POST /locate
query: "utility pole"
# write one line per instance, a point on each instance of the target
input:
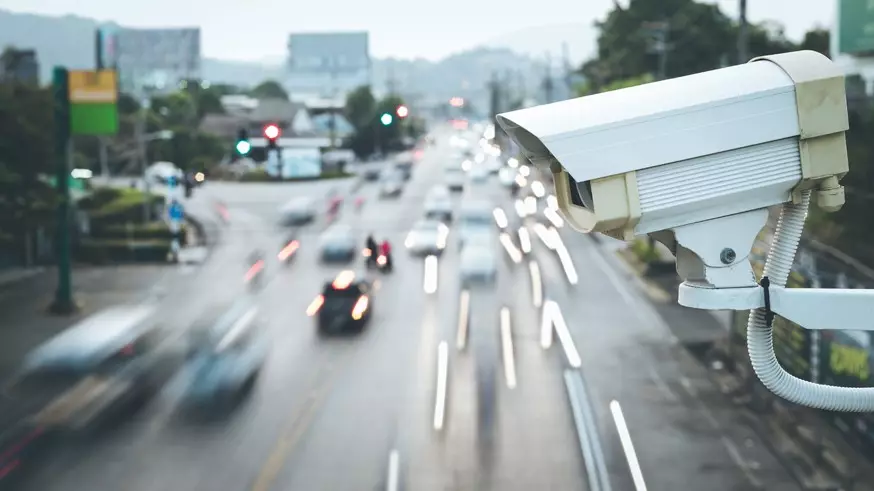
(140, 132)
(332, 124)
(743, 48)
(660, 45)
(103, 154)
(63, 303)
(495, 103)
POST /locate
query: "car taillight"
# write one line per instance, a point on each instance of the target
(254, 270)
(288, 250)
(315, 305)
(360, 307)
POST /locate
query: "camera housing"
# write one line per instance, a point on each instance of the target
(686, 150)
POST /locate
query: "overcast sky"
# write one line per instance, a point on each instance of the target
(258, 29)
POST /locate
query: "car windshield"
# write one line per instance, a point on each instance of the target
(477, 218)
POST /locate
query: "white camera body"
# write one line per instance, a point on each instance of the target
(691, 149)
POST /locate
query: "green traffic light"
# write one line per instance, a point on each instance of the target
(385, 119)
(243, 147)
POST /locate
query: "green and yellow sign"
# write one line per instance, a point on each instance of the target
(93, 97)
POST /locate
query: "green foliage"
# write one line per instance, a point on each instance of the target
(269, 89)
(157, 230)
(261, 175)
(103, 251)
(363, 112)
(118, 206)
(189, 149)
(642, 250)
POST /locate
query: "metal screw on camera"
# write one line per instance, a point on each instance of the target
(727, 256)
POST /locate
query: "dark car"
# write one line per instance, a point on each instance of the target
(344, 304)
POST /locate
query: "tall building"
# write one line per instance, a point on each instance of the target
(153, 60)
(327, 66)
(19, 65)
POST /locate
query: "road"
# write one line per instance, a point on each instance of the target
(421, 401)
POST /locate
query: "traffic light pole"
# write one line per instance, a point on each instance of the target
(63, 303)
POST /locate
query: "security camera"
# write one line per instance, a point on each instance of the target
(696, 162)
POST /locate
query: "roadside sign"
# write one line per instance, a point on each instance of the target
(856, 27)
(175, 211)
(93, 97)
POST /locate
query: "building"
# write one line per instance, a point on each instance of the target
(852, 43)
(19, 65)
(327, 66)
(153, 60)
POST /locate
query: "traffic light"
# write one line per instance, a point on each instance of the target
(385, 119)
(272, 133)
(243, 147)
(403, 111)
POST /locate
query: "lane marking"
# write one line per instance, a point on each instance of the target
(507, 344)
(587, 433)
(627, 446)
(738, 459)
(512, 251)
(463, 320)
(662, 385)
(430, 280)
(524, 239)
(536, 283)
(567, 263)
(546, 326)
(393, 471)
(564, 335)
(442, 379)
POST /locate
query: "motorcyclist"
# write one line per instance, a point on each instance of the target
(385, 250)
(371, 245)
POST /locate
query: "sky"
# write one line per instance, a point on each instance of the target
(258, 29)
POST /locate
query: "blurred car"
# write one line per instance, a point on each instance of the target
(479, 174)
(405, 168)
(372, 172)
(22, 446)
(507, 176)
(338, 244)
(478, 264)
(438, 206)
(494, 165)
(106, 366)
(475, 218)
(225, 357)
(343, 305)
(391, 186)
(427, 237)
(454, 179)
(298, 211)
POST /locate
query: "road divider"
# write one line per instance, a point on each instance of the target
(430, 276)
(564, 335)
(463, 320)
(587, 432)
(394, 468)
(442, 381)
(507, 348)
(627, 446)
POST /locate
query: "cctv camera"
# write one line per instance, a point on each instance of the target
(686, 150)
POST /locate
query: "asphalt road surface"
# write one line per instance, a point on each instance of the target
(425, 398)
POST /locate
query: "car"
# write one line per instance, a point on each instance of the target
(298, 211)
(427, 237)
(507, 176)
(105, 367)
(479, 174)
(405, 169)
(391, 186)
(475, 218)
(454, 179)
(478, 264)
(338, 243)
(494, 165)
(437, 191)
(225, 356)
(344, 304)
(438, 204)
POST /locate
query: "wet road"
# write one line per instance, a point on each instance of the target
(426, 398)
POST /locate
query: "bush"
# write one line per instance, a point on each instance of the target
(644, 252)
(125, 207)
(261, 175)
(257, 175)
(102, 251)
(138, 231)
(99, 197)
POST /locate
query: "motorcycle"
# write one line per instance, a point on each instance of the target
(384, 263)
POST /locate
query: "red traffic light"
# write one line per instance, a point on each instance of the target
(403, 111)
(271, 132)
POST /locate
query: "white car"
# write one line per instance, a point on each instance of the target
(475, 219)
(479, 174)
(454, 180)
(438, 208)
(298, 211)
(478, 265)
(427, 237)
(507, 176)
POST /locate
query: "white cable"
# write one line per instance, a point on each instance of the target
(760, 339)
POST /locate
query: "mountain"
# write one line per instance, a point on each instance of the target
(69, 41)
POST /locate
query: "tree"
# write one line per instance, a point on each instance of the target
(269, 89)
(360, 111)
(817, 39)
(189, 149)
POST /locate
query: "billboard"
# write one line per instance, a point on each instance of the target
(856, 27)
